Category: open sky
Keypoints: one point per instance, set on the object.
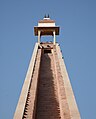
(77, 21)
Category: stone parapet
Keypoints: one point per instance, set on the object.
(23, 96)
(74, 112)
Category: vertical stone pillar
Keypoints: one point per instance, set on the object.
(39, 36)
(54, 40)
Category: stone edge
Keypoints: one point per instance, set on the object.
(23, 96)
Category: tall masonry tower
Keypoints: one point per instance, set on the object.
(47, 92)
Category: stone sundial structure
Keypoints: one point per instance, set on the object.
(47, 92)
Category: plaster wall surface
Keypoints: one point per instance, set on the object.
(47, 92)
(46, 24)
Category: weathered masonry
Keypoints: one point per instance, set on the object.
(47, 92)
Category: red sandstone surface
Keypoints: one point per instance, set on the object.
(47, 98)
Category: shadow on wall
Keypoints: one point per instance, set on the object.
(47, 98)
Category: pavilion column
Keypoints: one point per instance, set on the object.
(54, 40)
(39, 36)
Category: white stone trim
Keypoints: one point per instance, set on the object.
(22, 100)
(39, 36)
(46, 24)
(54, 40)
(74, 112)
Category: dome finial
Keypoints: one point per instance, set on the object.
(45, 16)
(48, 16)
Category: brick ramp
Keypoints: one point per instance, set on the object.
(47, 92)
(47, 98)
